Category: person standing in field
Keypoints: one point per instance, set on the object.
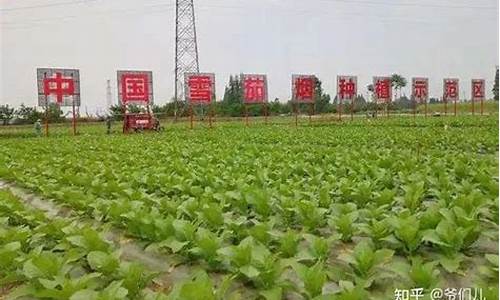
(156, 124)
(38, 127)
(108, 125)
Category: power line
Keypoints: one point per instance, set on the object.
(166, 7)
(46, 5)
(412, 4)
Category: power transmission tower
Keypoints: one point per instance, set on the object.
(109, 96)
(186, 46)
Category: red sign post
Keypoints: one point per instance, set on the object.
(303, 92)
(254, 92)
(136, 88)
(59, 86)
(199, 90)
(478, 93)
(419, 92)
(383, 91)
(450, 93)
(347, 89)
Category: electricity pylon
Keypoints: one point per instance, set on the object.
(186, 47)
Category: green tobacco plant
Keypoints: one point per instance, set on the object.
(424, 275)
(489, 271)
(469, 223)
(207, 244)
(212, 215)
(261, 202)
(385, 197)
(48, 276)
(349, 292)
(407, 235)
(9, 262)
(345, 225)
(200, 286)
(343, 220)
(102, 262)
(418, 274)
(261, 232)
(365, 264)
(318, 248)
(60, 288)
(362, 194)
(184, 236)
(376, 230)
(86, 239)
(449, 239)
(413, 196)
(114, 291)
(313, 278)
(253, 261)
(311, 216)
(134, 278)
(430, 217)
(288, 243)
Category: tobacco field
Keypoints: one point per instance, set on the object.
(324, 211)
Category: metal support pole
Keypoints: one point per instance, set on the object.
(191, 115)
(340, 109)
(74, 118)
(266, 112)
(310, 112)
(46, 117)
(296, 114)
(352, 109)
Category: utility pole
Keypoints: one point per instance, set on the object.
(109, 96)
(186, 47)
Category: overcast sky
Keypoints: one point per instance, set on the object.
(431, 38)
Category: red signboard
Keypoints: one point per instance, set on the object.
(420, 89)
(254, 88)
(478, 89)
(382, 89)
(199, 87)
(135, 87)
(60, 86)
(347, 87)
(303, 88)
(450, 89)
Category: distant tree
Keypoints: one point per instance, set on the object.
(433, 100)
(359, 103)
(6, 113)
(27, 114)
(274, 107)
(398, 82)
(55, 113)
(232, 102)
(321, 99)
(233, 94)
(402, 103)
(116, 112)
(495, 86)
